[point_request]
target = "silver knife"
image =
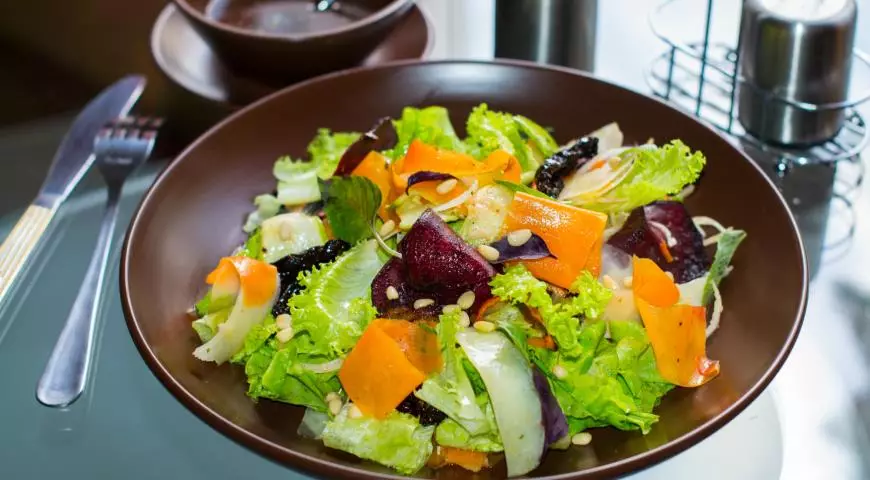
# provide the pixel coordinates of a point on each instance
(71, 162)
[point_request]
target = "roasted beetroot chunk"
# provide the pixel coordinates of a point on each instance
(435, 264)
(645, 234)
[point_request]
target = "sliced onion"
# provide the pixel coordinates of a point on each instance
(702, 221)
(669, 237)
(459, 200)
(325, 367)
(383, 244)
(717, 311)
(588, 183)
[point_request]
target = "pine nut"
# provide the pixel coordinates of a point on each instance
(286, 232)
(487, 252)
(452, 308)
(423, 303)
(332, 396)
(334, 406)
(464, 319)
(582, 438)
(354, 412)
(628, 282)
(484, 326)
(559, 371)
(466, 300)
(609, 282)
(392, 293)
(387, 228)
(285, 335)
(519, 238)
(283, 321)
(446, 186)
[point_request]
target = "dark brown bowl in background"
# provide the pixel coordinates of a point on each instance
(282, 58)
(193, 214)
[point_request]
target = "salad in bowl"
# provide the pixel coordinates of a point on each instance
(433, 300)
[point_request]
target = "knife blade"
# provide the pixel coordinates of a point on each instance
(73, 159)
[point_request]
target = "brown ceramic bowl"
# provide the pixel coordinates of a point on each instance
(279, 58)
(193, 215)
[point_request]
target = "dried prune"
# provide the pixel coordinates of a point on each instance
(550, 177)
(427, 414)
(290, 266)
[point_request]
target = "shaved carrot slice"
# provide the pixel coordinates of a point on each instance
(467, 459)
(377, 375)
(374, 167)
(652, 284)
(570, 234)
(258, 280)
(543, 342)
(419, 344)
(593, 262)
(676, 332)
(489, 303)
(678, 337)
(426, 158)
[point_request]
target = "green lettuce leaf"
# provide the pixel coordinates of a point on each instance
(518, 187)
(267, 207)
(655, 174)
(612, 383)
(397, 441)
(726, 246)
(297, 182)
(451, 390)
(352, 204)
(490, 130)
(207, 326)
(561, 319)
(275, 371)
(451, 434)
(430, 125)
(209, 305)
(253, 247)
(326, 149)
(538, 136)
(334, 308)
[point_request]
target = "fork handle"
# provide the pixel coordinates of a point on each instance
(66, 373)
(20, 243)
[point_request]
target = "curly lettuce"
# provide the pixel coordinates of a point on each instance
(326, 149)
(561, 319)
(451, 391)
(430, 125)
(489, 130)
(397, 441)
(334, 308)
(654, 174)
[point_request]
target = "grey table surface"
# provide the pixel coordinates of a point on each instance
(812, 423)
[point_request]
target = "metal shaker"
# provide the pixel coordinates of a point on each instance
(560, 32)
(795, 59)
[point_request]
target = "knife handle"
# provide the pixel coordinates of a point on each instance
(20, 243)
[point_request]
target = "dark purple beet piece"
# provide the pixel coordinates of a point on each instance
(555, 423)
(689, 259)
(435, 264)
(381, 137)
(426, 176)
(535, 248)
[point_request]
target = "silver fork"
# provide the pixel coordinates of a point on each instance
(120, 148)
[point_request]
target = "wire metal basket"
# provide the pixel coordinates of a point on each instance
(702, 78)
